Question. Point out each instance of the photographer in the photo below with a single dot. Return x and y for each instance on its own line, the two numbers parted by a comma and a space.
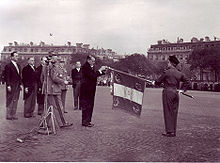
52, 84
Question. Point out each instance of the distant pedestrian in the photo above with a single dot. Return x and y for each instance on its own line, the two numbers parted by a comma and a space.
13, 86
171, 80
88, 89
40, 95
76, 84
29, 79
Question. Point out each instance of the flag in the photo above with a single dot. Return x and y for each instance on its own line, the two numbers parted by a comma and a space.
128, 92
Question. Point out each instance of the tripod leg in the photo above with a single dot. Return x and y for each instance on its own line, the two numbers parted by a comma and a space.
53, 122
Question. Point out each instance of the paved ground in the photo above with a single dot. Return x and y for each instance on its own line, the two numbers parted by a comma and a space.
117, 136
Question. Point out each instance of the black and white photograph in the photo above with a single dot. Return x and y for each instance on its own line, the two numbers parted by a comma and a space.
109, 81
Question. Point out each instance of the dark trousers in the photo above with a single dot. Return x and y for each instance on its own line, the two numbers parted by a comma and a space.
55, 101
30, 102
76, 95
12, 101
87, 110
40, 102
63, 99
170, 108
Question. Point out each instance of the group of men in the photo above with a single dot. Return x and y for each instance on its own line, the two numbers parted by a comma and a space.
51, 79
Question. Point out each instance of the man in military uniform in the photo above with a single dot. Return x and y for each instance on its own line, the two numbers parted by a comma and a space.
63, 71
53, 87
170, 96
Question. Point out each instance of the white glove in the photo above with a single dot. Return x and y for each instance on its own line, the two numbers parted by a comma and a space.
9, 88
26, 90
180, 91
153, 82
66, 82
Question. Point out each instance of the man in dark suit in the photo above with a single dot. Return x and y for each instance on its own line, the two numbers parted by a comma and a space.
40, 96
13, 86
171, 80
88, 89
76, 83
29, 79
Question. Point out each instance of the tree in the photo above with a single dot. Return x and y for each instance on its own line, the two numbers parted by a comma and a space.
205, 59
136, 64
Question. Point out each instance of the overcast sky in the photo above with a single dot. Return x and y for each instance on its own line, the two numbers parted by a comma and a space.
126, 26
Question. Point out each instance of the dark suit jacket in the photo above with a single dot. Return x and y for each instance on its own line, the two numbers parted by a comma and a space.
29, 79
12, 78
88, 82
38, 76
76, 76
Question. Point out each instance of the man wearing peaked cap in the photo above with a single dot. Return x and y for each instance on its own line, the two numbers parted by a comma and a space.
171, 79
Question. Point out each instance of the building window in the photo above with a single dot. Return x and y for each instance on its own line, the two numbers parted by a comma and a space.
25, 49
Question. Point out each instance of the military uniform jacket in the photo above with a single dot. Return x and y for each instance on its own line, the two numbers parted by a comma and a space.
64, 74
171, 78
55, 80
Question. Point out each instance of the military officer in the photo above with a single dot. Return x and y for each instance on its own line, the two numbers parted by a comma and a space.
63, 72
170, 96
53, 87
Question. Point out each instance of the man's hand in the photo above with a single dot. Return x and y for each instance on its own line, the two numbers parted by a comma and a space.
9, 88
180, 91
26, 90
153, 82
103, 68
66, 82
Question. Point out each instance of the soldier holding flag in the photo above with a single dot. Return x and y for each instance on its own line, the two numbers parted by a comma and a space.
171, 80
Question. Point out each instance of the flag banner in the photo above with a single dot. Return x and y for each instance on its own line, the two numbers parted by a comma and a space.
128, 92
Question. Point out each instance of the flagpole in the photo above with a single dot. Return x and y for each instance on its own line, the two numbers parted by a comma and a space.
146, 80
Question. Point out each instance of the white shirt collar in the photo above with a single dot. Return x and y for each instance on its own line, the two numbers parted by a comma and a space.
14, 62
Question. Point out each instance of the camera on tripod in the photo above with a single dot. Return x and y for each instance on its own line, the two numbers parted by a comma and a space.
49, 60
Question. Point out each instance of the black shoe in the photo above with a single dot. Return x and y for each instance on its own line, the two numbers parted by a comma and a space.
66, 125
88, 125
9, 118
27, 116
65, 112
15, 118
171, 134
